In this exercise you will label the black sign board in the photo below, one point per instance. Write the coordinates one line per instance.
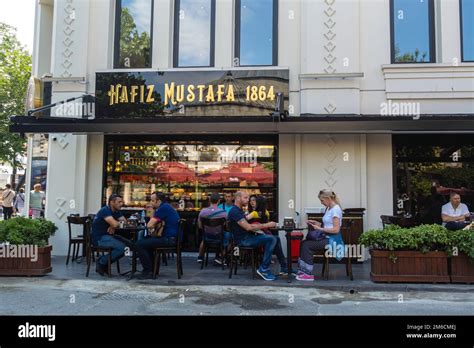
(149, 94)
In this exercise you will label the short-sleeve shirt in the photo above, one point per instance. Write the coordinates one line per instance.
(166, 213)
(7, 197)
(330, 213)
(235, 215)
(226, 207)
(36, 199)
(212, 213)
(100, 226)
(449, 210)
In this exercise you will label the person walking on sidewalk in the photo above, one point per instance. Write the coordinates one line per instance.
(8, 197)
(19, 203)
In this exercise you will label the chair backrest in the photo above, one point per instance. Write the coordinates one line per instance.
(75, 219)
(346, 231)
(386, 220)
(213, 222)
(181, 226)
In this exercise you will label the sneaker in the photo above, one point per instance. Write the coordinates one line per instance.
(145, 275)
(305, 277)
(266, 274)
(218, 261)
(101, 269)
(200, 259)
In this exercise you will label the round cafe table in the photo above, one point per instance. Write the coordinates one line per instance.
(289, 238)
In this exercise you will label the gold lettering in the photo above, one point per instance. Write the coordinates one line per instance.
(179, 94)
(230, 93)
(169, 93)
(191, 94)
(150, 98)
(220, 92)
(133, 93)
(124, 95)
(201, 92)
(113, 95)
(210, 94)
(142, 94)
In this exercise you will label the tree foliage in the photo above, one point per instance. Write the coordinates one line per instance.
(15, 71)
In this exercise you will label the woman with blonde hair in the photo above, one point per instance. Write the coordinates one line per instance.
(322, 236)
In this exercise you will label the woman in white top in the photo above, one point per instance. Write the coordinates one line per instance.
(327, 233)
(20, 202)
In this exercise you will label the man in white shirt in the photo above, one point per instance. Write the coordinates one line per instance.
(7, 197)
(454, 213)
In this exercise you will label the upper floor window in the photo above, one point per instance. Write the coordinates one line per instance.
(133, 24)
(467, 30)
(412, 31)
(194, 33)
(256, 34)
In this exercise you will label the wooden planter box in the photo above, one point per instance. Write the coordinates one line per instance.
(462, 269)
(15, 266)
(410, 267)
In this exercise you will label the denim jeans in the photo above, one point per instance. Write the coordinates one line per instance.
(118, 248)
(212, 238)
(262, 240)
(145, 247)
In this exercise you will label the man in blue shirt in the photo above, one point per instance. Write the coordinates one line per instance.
(227, 204)
(165, 214)
(103, 229)
(244, 234)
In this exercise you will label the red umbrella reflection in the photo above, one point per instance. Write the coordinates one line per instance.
(174, 171)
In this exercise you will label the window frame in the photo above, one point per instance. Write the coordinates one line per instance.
(117, 30)
(177, 6)
(431, 33)
(238, 4)
(462, 35)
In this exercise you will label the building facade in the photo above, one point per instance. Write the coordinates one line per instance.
(378, 102)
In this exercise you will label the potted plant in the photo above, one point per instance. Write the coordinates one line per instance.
(416, 254)
(462, 260)
(24, 248)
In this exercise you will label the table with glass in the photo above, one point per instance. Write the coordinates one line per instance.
(289, 238)
(128, 234)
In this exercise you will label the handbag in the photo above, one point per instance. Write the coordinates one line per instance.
(315, 235)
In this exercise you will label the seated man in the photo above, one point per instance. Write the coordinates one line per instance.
(103, 228)
(243, 236)
(212, 233)
(454, 213)
(145, 246)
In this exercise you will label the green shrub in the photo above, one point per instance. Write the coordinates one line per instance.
(423, 238)
(463, 240)
(21, 230)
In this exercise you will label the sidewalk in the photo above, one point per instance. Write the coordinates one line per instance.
(214, 275)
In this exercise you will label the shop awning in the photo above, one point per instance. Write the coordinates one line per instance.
(306, 124)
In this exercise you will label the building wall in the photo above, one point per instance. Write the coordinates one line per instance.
(74, 38)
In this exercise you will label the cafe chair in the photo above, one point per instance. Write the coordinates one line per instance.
(213, 245)
(346, 231)
(78, 240)
(160, 251)
(91, 249)
(386, 220)
(243, 252)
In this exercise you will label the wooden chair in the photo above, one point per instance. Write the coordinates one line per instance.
(216, 245)
(346, 233)
(386, 220)
(75, 241)
(91, 249)
(160, 251)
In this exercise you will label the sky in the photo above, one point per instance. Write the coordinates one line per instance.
(20, 14)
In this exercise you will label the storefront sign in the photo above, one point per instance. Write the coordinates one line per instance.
(190, 93)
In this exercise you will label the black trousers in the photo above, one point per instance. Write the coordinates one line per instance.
(7, 212)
